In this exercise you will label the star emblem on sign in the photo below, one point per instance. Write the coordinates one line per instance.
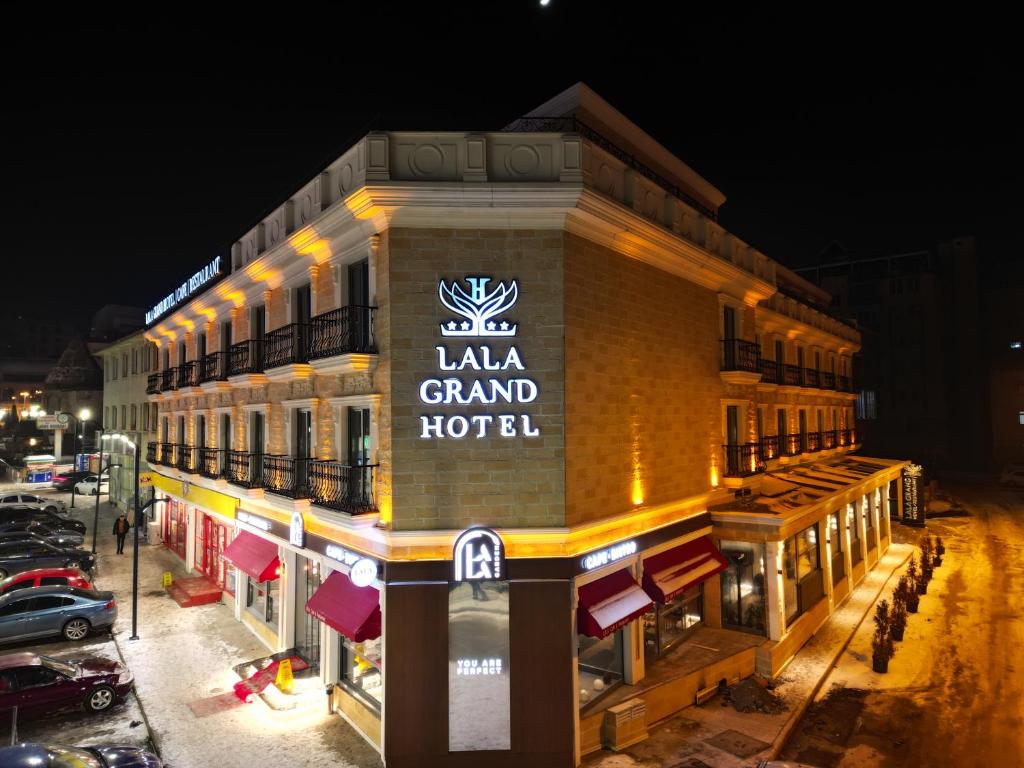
(490, 325)
(451, 324)
(504, 325)
(465, 325)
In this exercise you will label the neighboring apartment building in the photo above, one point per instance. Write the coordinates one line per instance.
(127, 411)
(512, 412)
(923, 371)
(1003, 293)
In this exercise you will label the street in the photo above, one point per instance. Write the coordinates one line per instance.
(954, 693)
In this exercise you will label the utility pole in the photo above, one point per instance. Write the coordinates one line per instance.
(139, 509)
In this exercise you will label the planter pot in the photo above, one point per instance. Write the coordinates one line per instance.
(912, 606)
(937, 561)
(922, 587)
(897, 634)
(879, 665)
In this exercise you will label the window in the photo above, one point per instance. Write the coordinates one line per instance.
(1020, 417)
(854, 527)
(667, 624)
(600, 665)
(261, 600)
(135, 361)
(802, 584)
(154, 415)
(124, 364)
(360, 670)
(50, 581)
(134, 420)
(743, 586)
(114, 364)
(48, 602)
(113, 417)
(124, 417)
(145, 417)
(18, 606)
(866, 408)
(35, 677)
(22, 585)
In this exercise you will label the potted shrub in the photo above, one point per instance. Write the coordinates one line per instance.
(914, 587)
(881, 643)
(940, 550)
(898, 619)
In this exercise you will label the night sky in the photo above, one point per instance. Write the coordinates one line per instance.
(135, 151)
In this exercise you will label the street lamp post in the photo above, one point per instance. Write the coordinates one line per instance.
(99, 486)
(139, 509)
(83, 416)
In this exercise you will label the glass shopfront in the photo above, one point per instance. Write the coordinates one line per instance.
(307, 627)
(667, 624)
(212, 538)
(601, 665)
(361, 670)
(852, 524)
(175, 527)
(802, 584)
(261, 600)
(743, 586)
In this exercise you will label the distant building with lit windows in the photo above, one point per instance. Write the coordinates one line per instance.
(497, 431)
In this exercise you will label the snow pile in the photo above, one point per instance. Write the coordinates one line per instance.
(751, 696)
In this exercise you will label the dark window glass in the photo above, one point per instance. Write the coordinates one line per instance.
(18, 606)
(32, 677)
(47, 602)
(20, 585)
(51, 581)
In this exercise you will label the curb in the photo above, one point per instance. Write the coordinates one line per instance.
(787, 730)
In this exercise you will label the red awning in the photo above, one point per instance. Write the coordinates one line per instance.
(254, 556)
(671, 572)
(610, 603)
(353, 611)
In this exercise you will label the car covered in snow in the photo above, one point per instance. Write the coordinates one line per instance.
(17, 556)
(22, 499)
(53, 756)
(87, 486)
(48, 611)
(30, 530)
(23, 514)
(45, 577)
(40, 685)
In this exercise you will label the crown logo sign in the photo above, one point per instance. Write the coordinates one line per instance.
(479, 307)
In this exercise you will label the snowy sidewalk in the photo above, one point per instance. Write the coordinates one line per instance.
(186, 654)
(703, 735)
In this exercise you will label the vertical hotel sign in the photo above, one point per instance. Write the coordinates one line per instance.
(913, 495)
(479, 690)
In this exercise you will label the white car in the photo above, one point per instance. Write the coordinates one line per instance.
(31, 500)
(1013, 475)
(87, 487)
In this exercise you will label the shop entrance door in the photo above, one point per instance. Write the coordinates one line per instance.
(213, 542)
(307, 628)
(743, 587)
(175, 530)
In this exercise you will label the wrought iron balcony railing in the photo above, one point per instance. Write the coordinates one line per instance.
(828, 380)
(792, 445)
(829, 439)
(813, 442)
(151, 453)
(213, 367)
(186, 458)
(342, 487)
(846, 437)
(168, 379)
(286, 476)
(153, 384)
(211, 462)
(244, 469)
(740, 355)
(246, 357)
(844, 384)
(769, 371)
(286, 345)
(742, 460)
(188, 375)
(769, 445)
(342, 331)
(791, 375)
(167, 454)
(811, 378)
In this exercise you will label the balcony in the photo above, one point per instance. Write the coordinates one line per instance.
(211, 463)
(244, 469)
(844, 384)
(246, 357)
(340, 487)
(769, 445)
(213, 367)
(743, 460)
(740, 355)
(342, 331)
(168, 378)
(286, 476)
(186, 458)
(791, 445)
(769, 371)
(791, 375)
(812, 442)
(166, 454)
(286, 346)
(847, 437)
(827, 380)
(811, 378)
(153, 384)
(188, 375)
(151, 453)
(829, 439)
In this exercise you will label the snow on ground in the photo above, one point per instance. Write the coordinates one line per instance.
(186, 654)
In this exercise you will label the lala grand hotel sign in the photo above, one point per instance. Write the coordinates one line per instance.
(210, 272)
(488, 378)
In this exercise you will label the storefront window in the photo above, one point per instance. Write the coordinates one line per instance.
(600, 666)
(261, 600)
(835, 527)
(361, 670)
(802, 585)
(667, 624)
(743, 586)
(852, 523)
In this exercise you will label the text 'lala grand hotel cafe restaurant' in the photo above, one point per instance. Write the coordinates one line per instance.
(508, 439)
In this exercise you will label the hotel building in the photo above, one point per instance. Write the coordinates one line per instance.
(510, 440)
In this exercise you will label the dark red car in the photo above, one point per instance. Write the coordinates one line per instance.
(39, 685)
(45, 577)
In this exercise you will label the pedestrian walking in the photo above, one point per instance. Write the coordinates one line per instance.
(121, 526)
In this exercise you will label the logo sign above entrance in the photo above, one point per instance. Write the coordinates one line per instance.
(479, 555)
(363, 572)
(479, 681)
(297, 531)
(191, 286)
(479, 308)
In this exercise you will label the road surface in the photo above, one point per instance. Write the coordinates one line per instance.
(954, 695)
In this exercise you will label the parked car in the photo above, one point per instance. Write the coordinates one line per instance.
(1013, 475)
(53, 756)
(18, 556)
(56, 506)
(40, 686)
(23, 531)
(50, 520)
(50, 611)
(65, 480)
(87, 486)
(45, 577)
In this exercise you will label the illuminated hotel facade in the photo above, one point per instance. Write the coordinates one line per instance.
(498, 430)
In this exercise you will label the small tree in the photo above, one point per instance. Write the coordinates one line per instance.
(882, 648)
(940, 548)
(926, 559)
(898, 619)
(913, 586)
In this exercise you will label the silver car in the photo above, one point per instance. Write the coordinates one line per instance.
(21, 499)
(49, 611)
